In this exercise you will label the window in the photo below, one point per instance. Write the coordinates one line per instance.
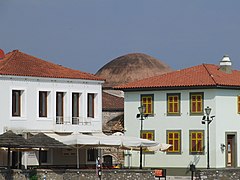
(196, 142)
(148, 134)
(42, 103)
(92, 154)
(16, 103)
(174, 138)
(44, 156)
(173, 104)
(59, 107)
(90, 110)
(196, 103)
(147, 102)
(238, 102)
(75, 108)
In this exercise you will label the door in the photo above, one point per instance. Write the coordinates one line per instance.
(107, 160)
(231, 151)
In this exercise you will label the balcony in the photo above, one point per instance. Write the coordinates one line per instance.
(71, 124)
(73, 120)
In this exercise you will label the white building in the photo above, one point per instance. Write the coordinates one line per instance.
(39, 96)
(175, 104)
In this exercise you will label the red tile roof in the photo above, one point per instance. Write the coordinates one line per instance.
(111, 102)
(201, 75)
(17, 63)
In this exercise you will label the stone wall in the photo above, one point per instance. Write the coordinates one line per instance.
(218, 174)
(58, 174)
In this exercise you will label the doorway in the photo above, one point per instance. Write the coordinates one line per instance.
(231, 156)
(107, 160)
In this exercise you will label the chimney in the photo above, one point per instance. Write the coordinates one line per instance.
(226, 65)
(2, 54)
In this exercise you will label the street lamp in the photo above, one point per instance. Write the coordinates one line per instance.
(208, 121)
(141, 115)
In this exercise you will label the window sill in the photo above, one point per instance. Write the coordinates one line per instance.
(16, 118)
(44, 119)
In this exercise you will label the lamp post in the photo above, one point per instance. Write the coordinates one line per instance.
(208, 121)
(141, 115)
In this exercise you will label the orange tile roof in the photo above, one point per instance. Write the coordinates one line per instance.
(17, 63)
(196, 76)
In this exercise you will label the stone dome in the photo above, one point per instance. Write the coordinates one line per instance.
(131, 67)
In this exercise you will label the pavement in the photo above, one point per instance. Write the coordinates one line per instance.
(176, 178)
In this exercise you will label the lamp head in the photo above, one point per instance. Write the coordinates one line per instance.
(208, 110)
(141, 109)
(138, 116)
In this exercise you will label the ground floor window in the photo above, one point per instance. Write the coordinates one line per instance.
(196, 141)
(174, 138)
(92, 154)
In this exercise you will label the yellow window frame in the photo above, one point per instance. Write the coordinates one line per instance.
(173, 139)
(147, 133)
(196, 139)
(173, 103)
(238, 103)
(197, 102)
(146, 103)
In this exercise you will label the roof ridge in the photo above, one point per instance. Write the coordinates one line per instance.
(211, 76)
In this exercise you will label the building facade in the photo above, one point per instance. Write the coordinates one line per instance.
(39, 96)
(175, 106)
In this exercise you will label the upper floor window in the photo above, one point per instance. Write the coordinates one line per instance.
(147, 102)
(43, 103)
(238, 103)
(16, 102)
(196, 142)
(174, 138)
(75, 108)
(196, 103)
(59, 107)
(90, 107)
(173, 104)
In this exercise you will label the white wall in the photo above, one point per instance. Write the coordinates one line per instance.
(29, 121)
(224, 107)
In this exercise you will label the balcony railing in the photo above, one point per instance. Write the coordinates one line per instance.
(73, 120)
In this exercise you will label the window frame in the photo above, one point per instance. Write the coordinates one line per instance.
(145, 104)
(202, 152)
(152, 132)
(41, 106)
(62, 108)
(238, 104)
(178, 113)
(179, 132)
(75, 109)
(191, 102)
(92, 155)
(90, 106)
(16, 103)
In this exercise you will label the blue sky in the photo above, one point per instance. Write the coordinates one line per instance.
(87, 34)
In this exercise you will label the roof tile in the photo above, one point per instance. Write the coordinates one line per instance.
(201, 75)
(17, 63)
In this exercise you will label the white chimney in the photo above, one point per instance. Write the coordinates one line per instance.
(226, 65)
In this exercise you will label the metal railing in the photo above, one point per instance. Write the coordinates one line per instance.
(73, 120)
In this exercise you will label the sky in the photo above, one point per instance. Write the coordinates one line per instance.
(87, 34)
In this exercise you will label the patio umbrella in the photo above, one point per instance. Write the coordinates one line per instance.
(11, 140)
(77, 140)
(41, 140)
(160, 147)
